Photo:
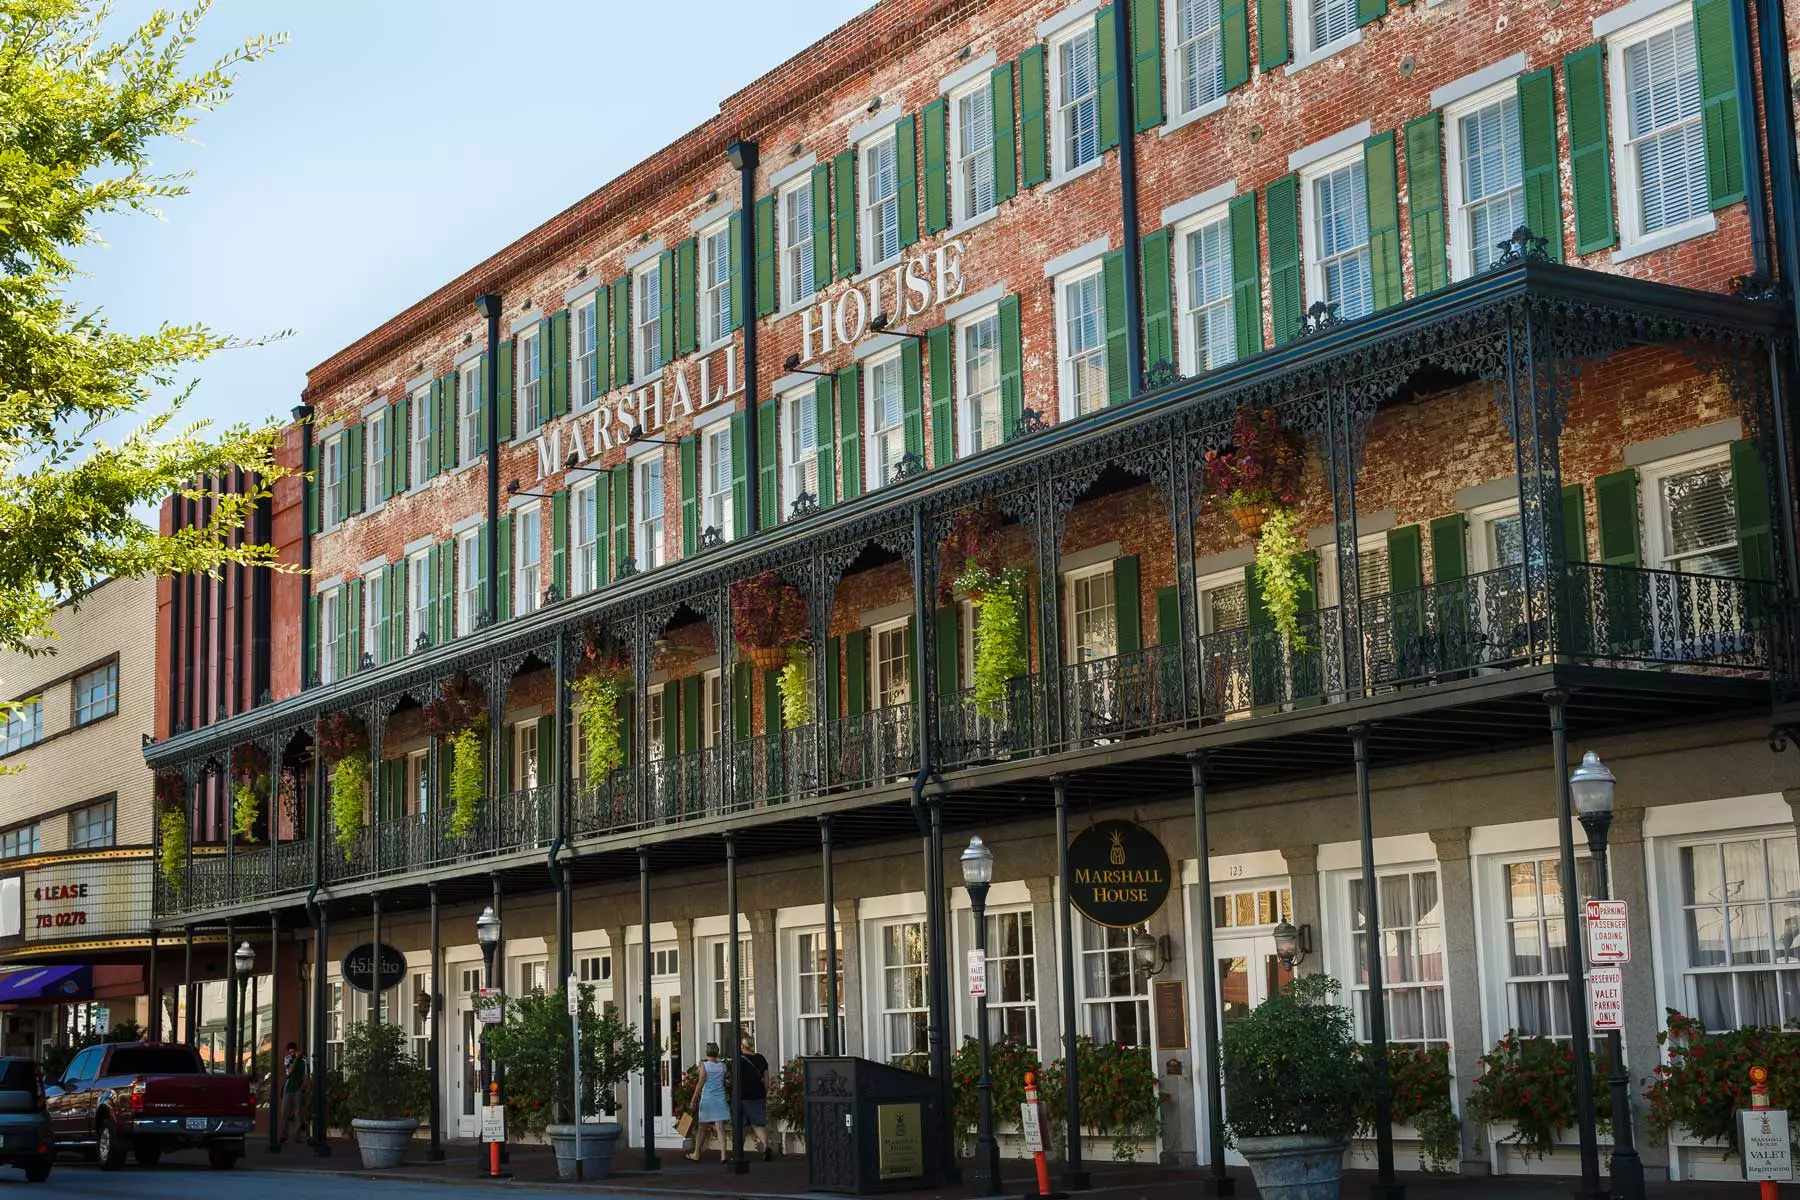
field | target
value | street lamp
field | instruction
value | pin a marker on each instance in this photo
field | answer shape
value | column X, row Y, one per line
column 978, row 874
column 487, row 933
column 1591, row 787
column 245, row 960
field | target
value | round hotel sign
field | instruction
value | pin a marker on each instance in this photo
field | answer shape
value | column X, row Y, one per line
column 362, row 965
column 1119, row 872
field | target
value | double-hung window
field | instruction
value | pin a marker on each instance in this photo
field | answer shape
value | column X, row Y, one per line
column 1336, row 202
column 1075, row 86
column 1115, row 991
column 525, row 761
column 93, row 827
column 1692, row 515
column 421, row 432
column 97, row 693
column 972, row 151
column 469, row 410
column 1329, row 26
column 715, row 285
column 584, row 376
column 892, row 662
column 1081, row 342
column 469, row 582
column 801, row 444
column 1487, row 193
column 1198, row 53
column 1536, row 954
column 529, row 367
column 584, row 573
column 331, row 479
column 646, row 317
column 1740, row 902
column 811, row 1011
column 1412, row 956
column 418, row 600
column 721, row 993
column 904, row 1012
column 880, row 183
column 715, row 468
column 331, row 631
column 1208, row 322
column 653, row 723
column 24, row 725
column 650, row 512
column 796, row 230
column 1012, row 977
column 1662, row 142
column 527, row 564
column 373, row 430
column 978, row 382
column 1093, row 628
column 374, row 599
column 887, row 419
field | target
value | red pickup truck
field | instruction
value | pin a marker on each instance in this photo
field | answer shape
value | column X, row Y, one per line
column 149, row 1097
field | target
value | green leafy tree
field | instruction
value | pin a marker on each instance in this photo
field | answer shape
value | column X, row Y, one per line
column 80, row 113
column 534, row 1048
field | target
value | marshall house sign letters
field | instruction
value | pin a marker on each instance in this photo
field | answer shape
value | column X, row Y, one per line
column 1119, row 873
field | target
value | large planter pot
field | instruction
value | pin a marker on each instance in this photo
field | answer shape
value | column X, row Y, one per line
column 1295, row 1166
column 383, row 1143
column 597, row 1145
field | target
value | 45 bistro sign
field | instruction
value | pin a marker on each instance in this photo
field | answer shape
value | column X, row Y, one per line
column 1119, row 873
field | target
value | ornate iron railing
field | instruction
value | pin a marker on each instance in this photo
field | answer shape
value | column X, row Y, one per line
column 1127, row 694
column 870, row 749
column 970, row 734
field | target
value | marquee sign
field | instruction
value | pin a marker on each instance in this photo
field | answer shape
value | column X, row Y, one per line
column 86, row 899
column 1119, row 872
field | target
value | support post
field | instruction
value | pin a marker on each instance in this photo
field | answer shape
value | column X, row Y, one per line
column 155, row 992
column 321, row 947
column 1075, row 1177
column 434, row 1151
column 734, row 968
column 231, row 994
column 833, row 1045
column 647, row 1017
column 1385, row 1186
column 376, row 995
column 277, row 1064
column 938, row 977
column 187, row 987
column 1221, row 1182
column 1579, row 1041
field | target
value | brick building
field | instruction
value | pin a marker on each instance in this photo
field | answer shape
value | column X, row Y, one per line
column 1008, row 271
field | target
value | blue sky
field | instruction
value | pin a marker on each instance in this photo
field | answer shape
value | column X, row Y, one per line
column 354, row 171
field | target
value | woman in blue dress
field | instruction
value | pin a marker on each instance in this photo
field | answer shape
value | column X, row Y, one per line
column 710, row 1108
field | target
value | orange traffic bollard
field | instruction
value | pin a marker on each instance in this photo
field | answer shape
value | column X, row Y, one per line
column 1035, row 1121
column 494, row 1147
column 1759, row 1099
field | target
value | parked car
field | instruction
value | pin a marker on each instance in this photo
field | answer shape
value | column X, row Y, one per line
column 149, row 1098
column 25, row 1137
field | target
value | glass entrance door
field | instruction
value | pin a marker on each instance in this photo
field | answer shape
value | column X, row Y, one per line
column 664, row 1033
column 1249, row 972
column 464, row 1073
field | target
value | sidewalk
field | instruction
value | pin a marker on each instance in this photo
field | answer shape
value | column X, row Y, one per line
column 533, row 1167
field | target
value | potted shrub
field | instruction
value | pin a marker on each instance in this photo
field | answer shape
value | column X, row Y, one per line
column 382, row 1083
column 1259, row 477
column 1293, row 1085
column 533, row 1046
column 769, row 619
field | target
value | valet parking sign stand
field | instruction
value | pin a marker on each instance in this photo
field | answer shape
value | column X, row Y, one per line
column 1765, row 1151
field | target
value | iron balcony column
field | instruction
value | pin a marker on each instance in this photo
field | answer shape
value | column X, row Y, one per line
column 1222, row 1183
column 832, row 1047
column 1128, row 197
column 1385, row 1186
column 1075, row 1177
column 743, row 155
column 434, row 1151
column 375, row 973
column 321, row 947
column 231, row 994
column 276, row 1064
column 647, row 1021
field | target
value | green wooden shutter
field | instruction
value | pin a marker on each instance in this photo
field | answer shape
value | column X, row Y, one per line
column 559, row 372
column 1034, row 128
column 1107, row 59
column 1128, row 614
column 1168, row 616
column 856, row 671
column 1012, row 367
column 692, row 706
column 949, row 650
column 621, row 330
column 1118, row 377
column 740, row 474
column 621, row 514
column 740, row 701
column 943, row 424
column 1234, row 34
column 734, row 233
column 602, row 341
column 1750, row 496
column 503, row 395
column 1574, row 506
column 351, row 610
column 768, row 470
column 825, row 433
column 669, row 697
column 906, row 159
column 433, row 594
column 1159, row 319
column 915, row 689
column 843, row 199
column 1425, row 204
column 1383, row 194
column 484, row 554
column 1616, row 514
column 665, row 301
column 1146, row 65
column 687, row 309
column 1272, row 48
column 628, row 725
column 934, row 133
column 341, row 654
column 912, row 398
column 1283, row 205
column 355, row 455
column 833, row 652
column 1246, row 279
column 849, row 381
column 387, row 453
column 1590, row 152
column 767, row 294
column 771, row 706
column 1369, row 11
column 1449, row 548
column 546, row 750
column 1006, row 138
column 821, row 224
column 1540, row 172
column 690, row 494
column 1719, row 101
column 1406, row 562
column 504, row 548
column 383, row 645
column 447, row 451
column 559, row 542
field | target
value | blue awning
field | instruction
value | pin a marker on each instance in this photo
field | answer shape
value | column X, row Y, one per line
column 46, row 983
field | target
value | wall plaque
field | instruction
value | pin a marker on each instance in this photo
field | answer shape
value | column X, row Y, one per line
column 1120, row 873
column 900, row 1141
column 1170, row 996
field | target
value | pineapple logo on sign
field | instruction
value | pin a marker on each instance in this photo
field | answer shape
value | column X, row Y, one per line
column 1117, row 857
column 1119, row 873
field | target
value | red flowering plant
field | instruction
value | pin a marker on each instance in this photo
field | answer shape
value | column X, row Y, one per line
column 970, row 550
column 1529, row 1083
column 461, row 706
column 1008, row 1060
column 342, row 735
column 1419, row 1095
column 769, row 618
column 1707, row 1077
column 1118, row 1093
column 787, row 1095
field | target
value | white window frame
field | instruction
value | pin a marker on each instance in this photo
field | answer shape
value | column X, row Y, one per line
column 646, row 320
column 94, row 703
column 331, row 474
column 712, row 708
column 795, row 465
column 469, row 411
column 650, row 527
column 1633, row 241
column 374, row 603
column 1205, row 586
column 528, row 378
column 1060, row 168
column 714, row 299
column 890, row 1015
column 794, row 250
column 1071, row 579
column 1650, row 503
column 878, row 698
column 417, row 800
column 24, row 725
column 1066, row 402
column 527, row 756
column 868, row 205
column 1347, row 963
column 418, row 442
column 998, row 1006
column 967, row 425
column 1310, row 176
column 1679, row 971
column 716, row 956
column 1175, row 69
column 875, row 470
column 331, row 629
column 373, row 425
column 1187, row 345
column 418, row 598
column 1494, row 933
column 716, row 483
column 527, row 558
column 1305, row 53
column 1330, row 594
column 805, row 949
column 466, row 571
column 585, row 387
column 1090, row 941
column 584, row 554
column 963, row 162
column 1457, row 230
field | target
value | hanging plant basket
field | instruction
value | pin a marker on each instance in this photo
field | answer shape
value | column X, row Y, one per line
column 769, row 617
column 1251, row 517
column 769, row 658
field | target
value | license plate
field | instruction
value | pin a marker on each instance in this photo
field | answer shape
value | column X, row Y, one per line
column 199, row 1123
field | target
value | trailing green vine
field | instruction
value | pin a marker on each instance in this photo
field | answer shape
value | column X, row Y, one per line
column 1279, row 553
column 175, row 847
column 999, row 634
column 349, row 794
column 796, row 697
column 244, row 806
column 468, row 781
column 597, row 711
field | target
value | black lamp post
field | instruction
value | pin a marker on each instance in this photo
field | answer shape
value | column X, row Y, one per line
column 245, row 960
column 487, row 933
column 1591, row 786
column 978, row 874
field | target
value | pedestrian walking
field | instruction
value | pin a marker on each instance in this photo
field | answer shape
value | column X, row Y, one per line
column 753, row 1094
column 709, row 1106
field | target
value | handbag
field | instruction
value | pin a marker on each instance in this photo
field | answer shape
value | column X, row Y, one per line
column 685, row 1125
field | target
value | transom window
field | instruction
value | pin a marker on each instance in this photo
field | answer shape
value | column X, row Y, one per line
column 1741, row 925
column 646, row 315
column 1537, row 944
column 810, row 959
column 903, row 1008
column 1208, row 323
column 1698, row 520
column 650, row 512
column 1093, row 632
column 469, row 581
column 585, row 512
column 97, row 693
column 1199, row 55
column 1075, row 60
column 1490, row 172
column 887, row 419
column 92, row 827
column 881, row 201
column 716, row 467
column 585, row 335
column 1340, row 236
column 1412, row 953
column 1115, row 992
column 802, row 445
column 715, row 284
column 527, row 565
column 796, row 227
column 530, row 371
column 1252, row 908
column 973, row 130
column 472, row 416
column 978, row 377
column 1664, row 138
column 1083, row 344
